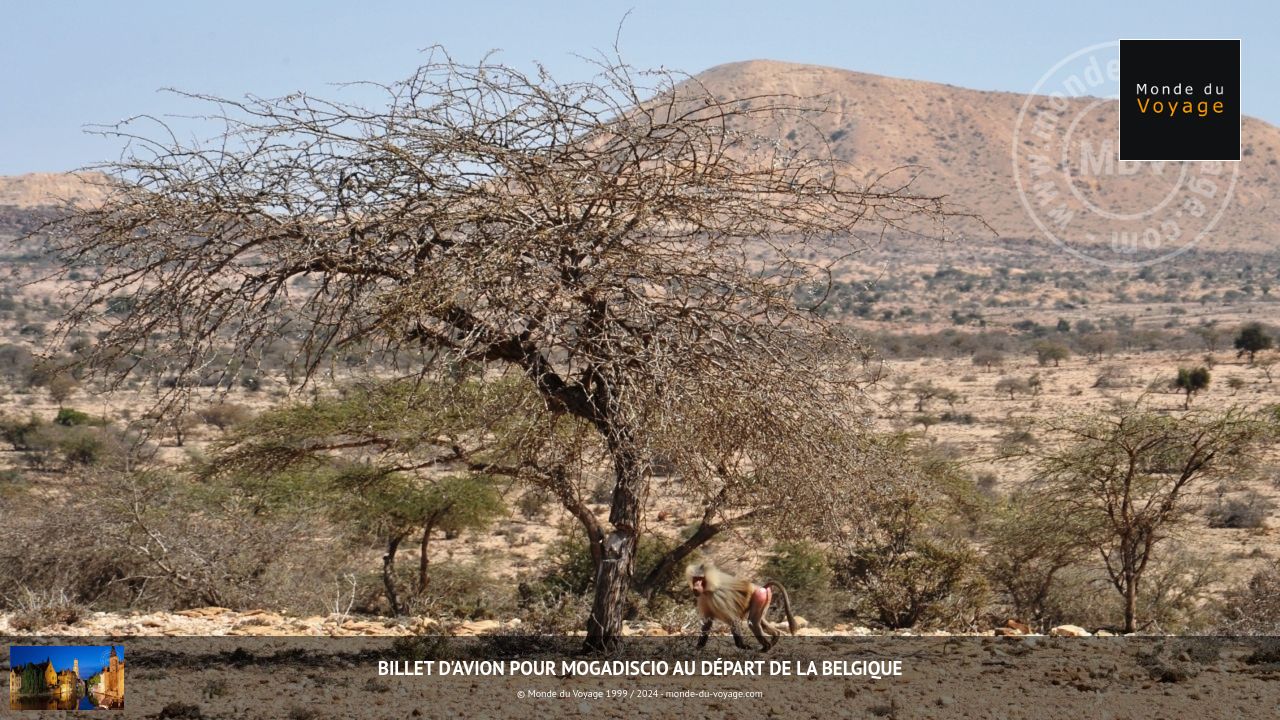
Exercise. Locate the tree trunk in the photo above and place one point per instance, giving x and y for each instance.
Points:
(559, 483)
(1131, 606)
(648, 585)
(389, 573)
(422, 560)
(613, 575)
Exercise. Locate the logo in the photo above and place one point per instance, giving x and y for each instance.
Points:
(1180, 100)
(1082, 196)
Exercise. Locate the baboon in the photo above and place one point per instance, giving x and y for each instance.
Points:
(729, 599)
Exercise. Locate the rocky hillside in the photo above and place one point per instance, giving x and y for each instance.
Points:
(964, 140)
(45, 189)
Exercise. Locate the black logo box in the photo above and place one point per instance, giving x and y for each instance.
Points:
(1185, 68)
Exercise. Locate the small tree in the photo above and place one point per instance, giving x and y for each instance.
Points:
(452, 505)
(925, 420)
(1012, 385)
(1050, 351)
(180, 424)
(988, 359)
(1097, 344)
(1251, 340)
(1266, 365)
(927, 391)
(1191, 381)
(61, 387)
(1129, 475)
(1210, 335)
(391, 506)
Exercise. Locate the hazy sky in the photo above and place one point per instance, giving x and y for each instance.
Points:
(67, 64)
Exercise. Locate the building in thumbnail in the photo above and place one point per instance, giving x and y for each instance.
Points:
(112, 687)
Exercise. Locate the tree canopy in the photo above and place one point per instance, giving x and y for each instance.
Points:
(631, 245)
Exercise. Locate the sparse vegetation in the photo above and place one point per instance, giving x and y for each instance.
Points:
(459, 479)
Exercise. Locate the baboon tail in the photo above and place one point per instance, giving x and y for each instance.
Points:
(786, 604)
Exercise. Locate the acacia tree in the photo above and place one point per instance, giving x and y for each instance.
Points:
(1130, 474)
(391, 506)
(1191, 381)
(632, 245)
(1251, 340)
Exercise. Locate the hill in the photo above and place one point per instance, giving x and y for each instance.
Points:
(963, 139)
(44, 189)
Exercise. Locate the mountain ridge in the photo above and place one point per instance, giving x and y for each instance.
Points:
(961, 139)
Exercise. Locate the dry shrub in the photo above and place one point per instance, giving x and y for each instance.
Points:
(1080, 595)
(465, 591)
(553, 615)
(224, 415)
(36, 611)
(1253, 609)
(112, 540)
(1171, 599)
(1249, 511)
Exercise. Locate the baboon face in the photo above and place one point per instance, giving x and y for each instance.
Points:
(698, 583)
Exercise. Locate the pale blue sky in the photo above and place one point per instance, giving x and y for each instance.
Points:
(67, 64)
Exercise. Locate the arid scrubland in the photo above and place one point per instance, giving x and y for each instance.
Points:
(330, 367)
(980, 352)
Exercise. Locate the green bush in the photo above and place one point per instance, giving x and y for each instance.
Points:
(650, 551)
(465, 591)
(74, 439)
(84, 446)
(534, 502)
(930, 582)
(913, 562)
(70, 417)
(803, 568)
(571, 570)
(667, 587)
